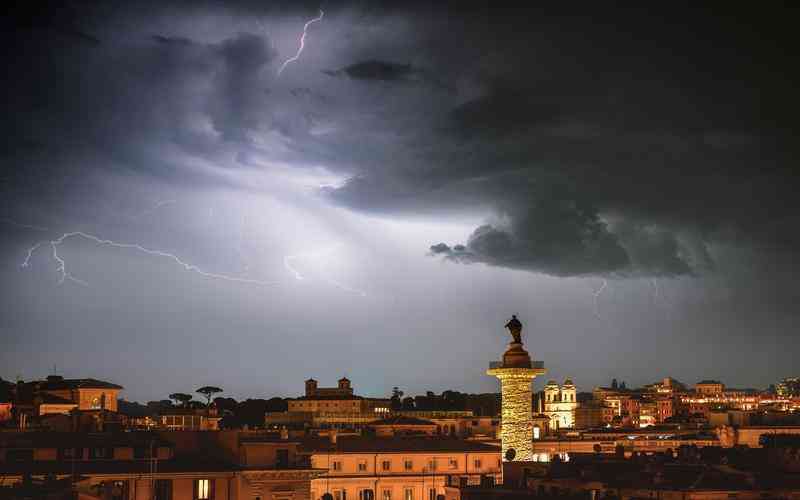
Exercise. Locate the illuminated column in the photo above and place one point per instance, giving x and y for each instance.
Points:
(516, 371)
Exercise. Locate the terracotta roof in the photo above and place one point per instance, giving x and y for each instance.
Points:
(401, 420)
(324, 396)
(350, 444)
(87, 467)
(58, 383)
(47, 439)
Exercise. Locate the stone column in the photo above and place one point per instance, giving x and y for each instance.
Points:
(515, 373)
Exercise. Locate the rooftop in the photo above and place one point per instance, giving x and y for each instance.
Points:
(42, 439)
(54, 383)
(401, 420)
(348, 444)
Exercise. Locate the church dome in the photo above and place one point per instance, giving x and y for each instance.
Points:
(568, 382)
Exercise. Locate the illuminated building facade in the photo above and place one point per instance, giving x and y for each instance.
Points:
(165, 465)
(516, 372)
(560, 403)
(709, 387)
(407, 468)
(324, 407)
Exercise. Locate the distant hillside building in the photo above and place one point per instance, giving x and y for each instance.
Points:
(709, 387)
(325, 407)
(86, 393)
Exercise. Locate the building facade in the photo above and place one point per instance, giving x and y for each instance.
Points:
(560, 403)
(330, 407)
(366, 468)
(225, 465)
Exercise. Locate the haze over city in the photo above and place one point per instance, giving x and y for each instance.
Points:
(246, 194)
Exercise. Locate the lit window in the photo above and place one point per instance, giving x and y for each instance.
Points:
(362, 466)
(101, 453)
(339, 494)
(408, 464)
(96, 404)
(453, 463)
(536, 432)
(337, 466)
(202, 489)
(386, 495)
(408, 494)
(386, 465)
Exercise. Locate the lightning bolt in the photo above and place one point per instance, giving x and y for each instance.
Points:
(288, 259)
(658, 296)
(287, 263)
(65, 275)
(302, 42)
(596, 297)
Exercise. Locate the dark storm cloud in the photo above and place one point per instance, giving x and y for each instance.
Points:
(622, 148)
(606, 143)
(635, 143)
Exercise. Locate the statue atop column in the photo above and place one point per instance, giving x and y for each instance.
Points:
(515, 327)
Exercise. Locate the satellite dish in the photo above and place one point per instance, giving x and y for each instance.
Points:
(510, 454)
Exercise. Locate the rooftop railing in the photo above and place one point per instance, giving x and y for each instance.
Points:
(499, 364)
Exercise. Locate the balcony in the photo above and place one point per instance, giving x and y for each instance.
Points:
(499, 364)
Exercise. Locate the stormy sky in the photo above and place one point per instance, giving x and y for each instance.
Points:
(176, 213)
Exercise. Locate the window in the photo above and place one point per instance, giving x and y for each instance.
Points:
(143, 452)
(203, 489)
(282, 458)
(386, 465)
(337, 466)
(536, 432)
(362, 466)
(432, 464)
(386, 494)
(101, 453)
(477, 463)
(366, 494)
(408, 494)
(19, 455)
(163, 489)
(96, 404)
(339, 494)
(432, 494)
(70, 454)
(408, 464)
(453, 463)
(111, 490)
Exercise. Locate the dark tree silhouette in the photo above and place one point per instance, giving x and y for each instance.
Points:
(208, 391)
(180, 398)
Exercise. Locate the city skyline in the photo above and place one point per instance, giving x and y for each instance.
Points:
(244, 194)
